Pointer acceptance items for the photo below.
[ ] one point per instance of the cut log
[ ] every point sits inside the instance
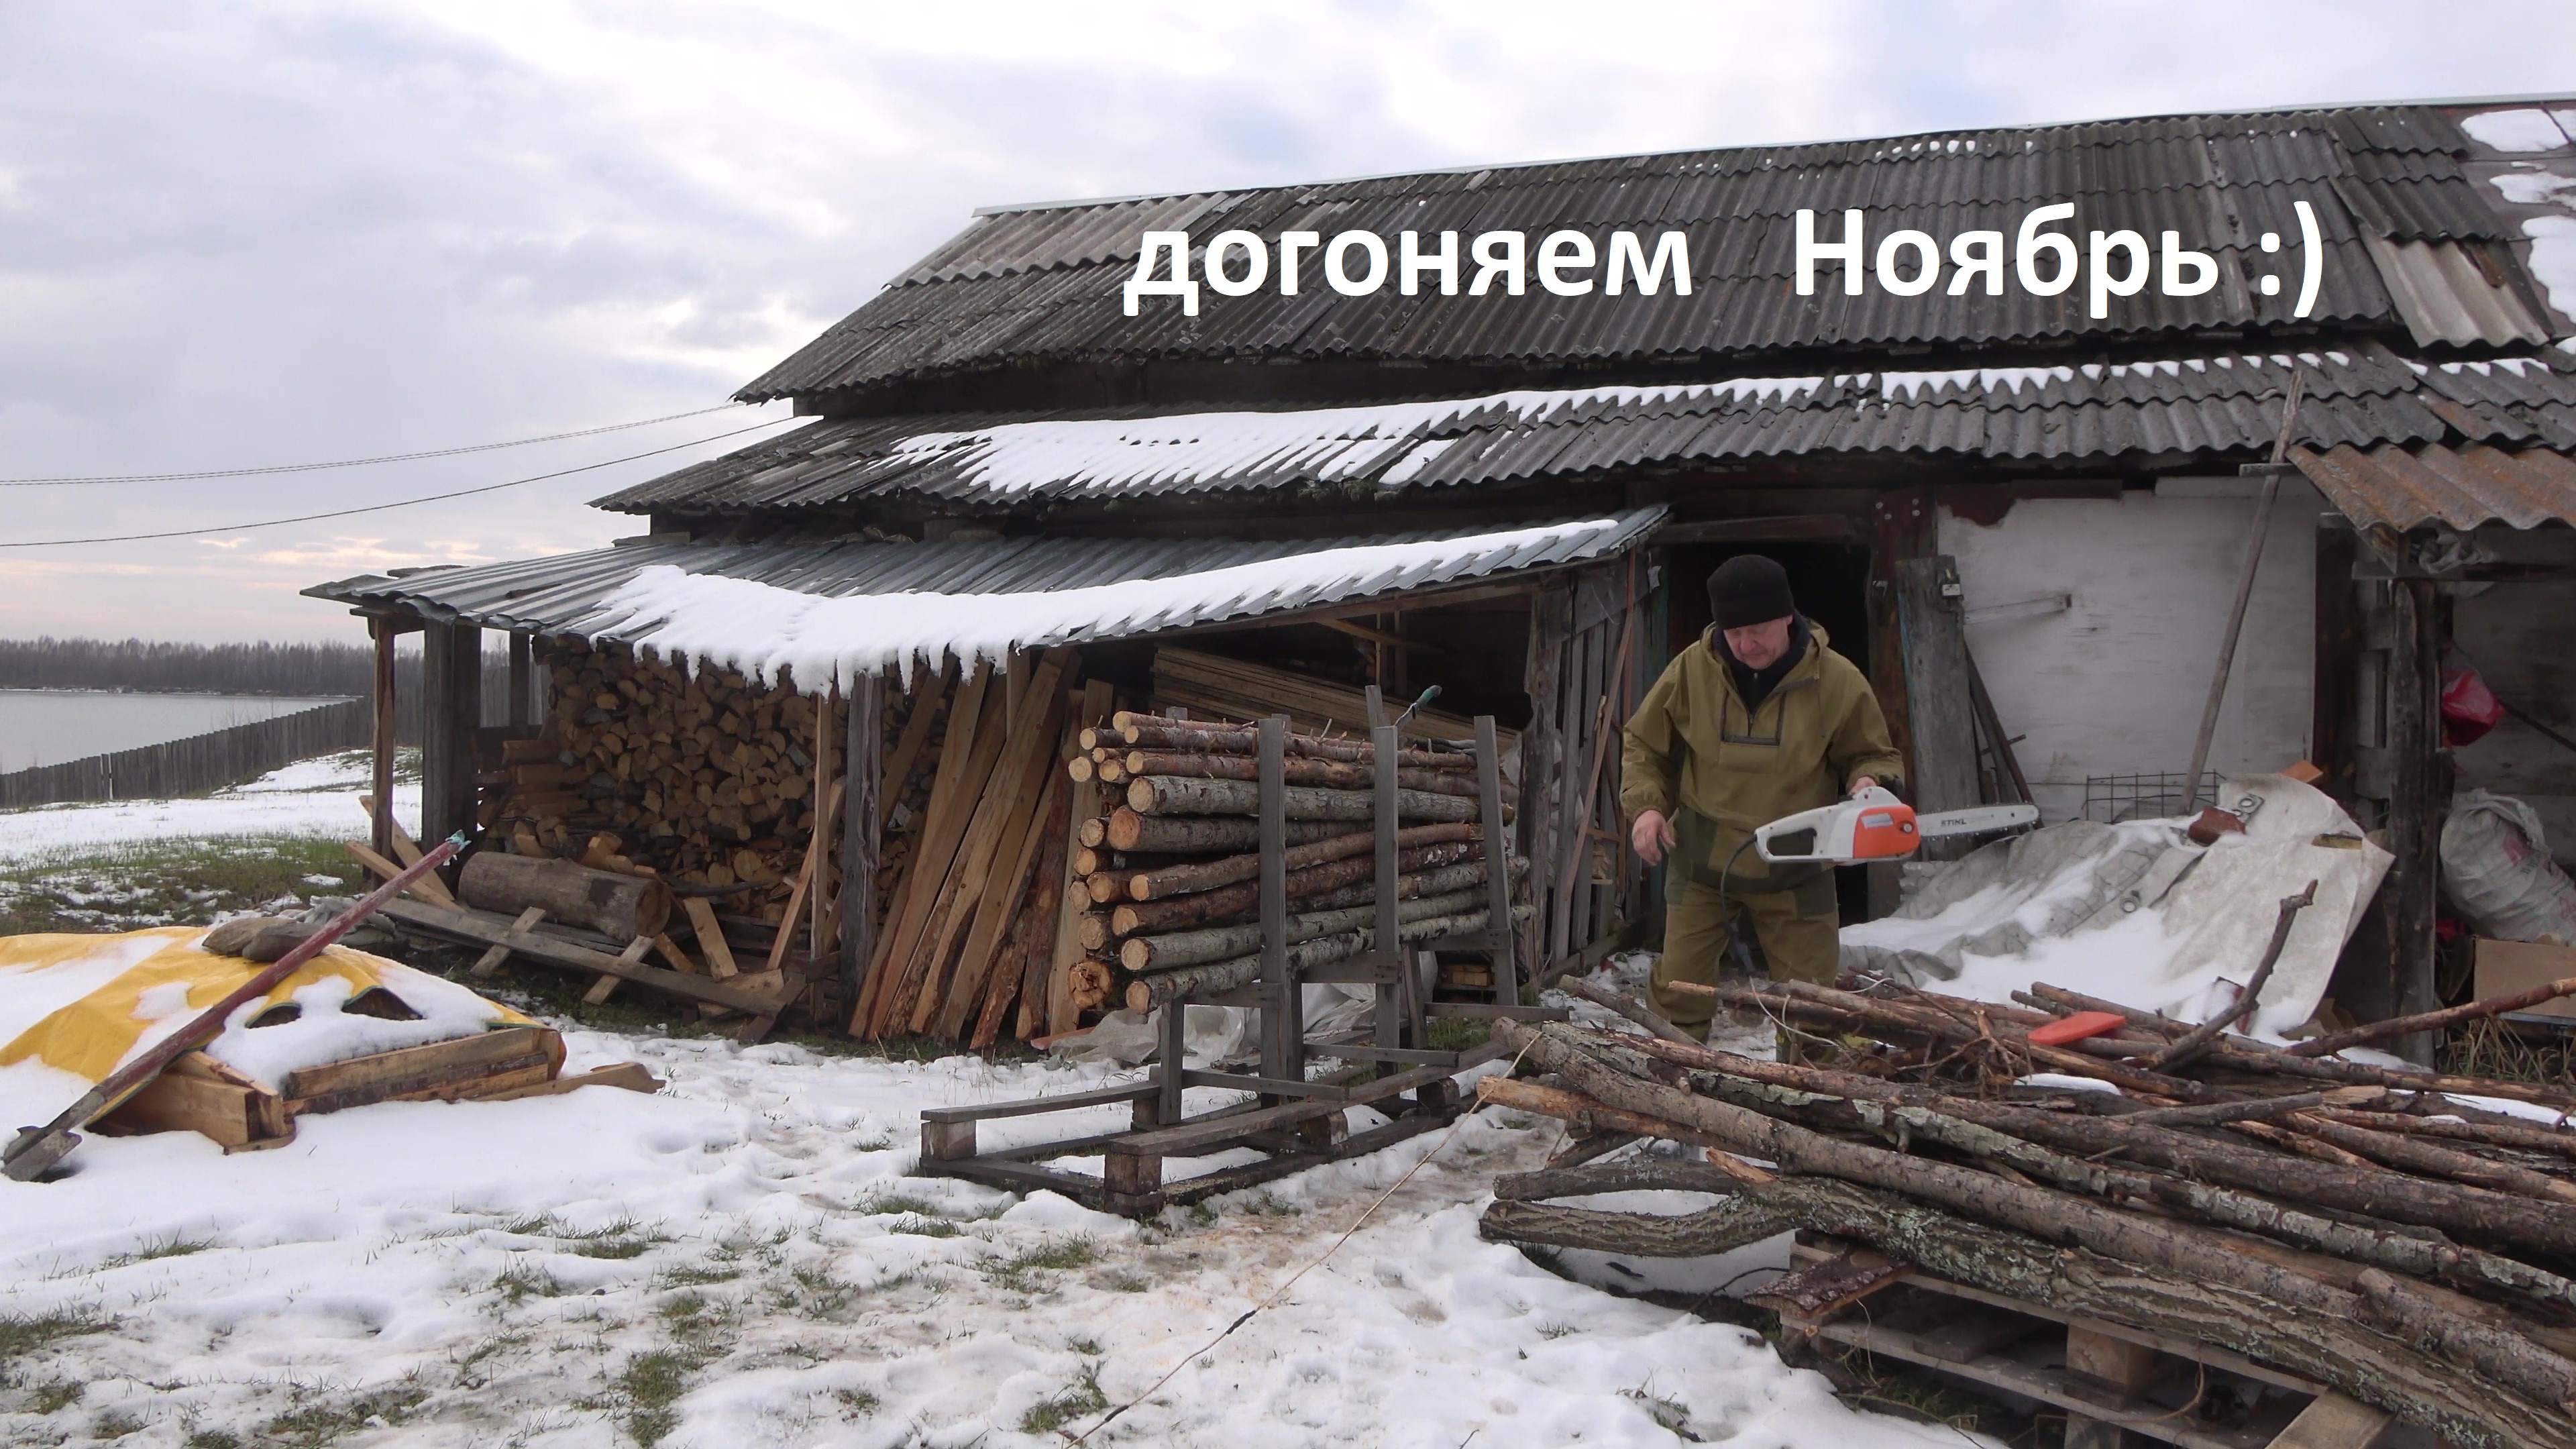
(1209, 906)
(1178, 795)
(1190, 948)
(1201, 834)
(1217, 977)
(1591, 1116)
(1188, 877)
(1089, 983)
(1153, 733)
(1331, 774)
(620, 907)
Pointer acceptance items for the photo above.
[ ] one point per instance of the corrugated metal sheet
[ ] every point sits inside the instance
(563, 595)
(2395, 207)
(2463, 487)
(2358, 397)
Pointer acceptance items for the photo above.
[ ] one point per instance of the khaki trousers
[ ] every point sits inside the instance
(1800, 932)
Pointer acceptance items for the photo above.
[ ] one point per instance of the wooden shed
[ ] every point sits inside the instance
(2024, 521)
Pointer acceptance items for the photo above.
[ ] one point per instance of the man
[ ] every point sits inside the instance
(1757, 720)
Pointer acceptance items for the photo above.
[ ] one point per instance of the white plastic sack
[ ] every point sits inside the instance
(2496, 869)
(2137, 913)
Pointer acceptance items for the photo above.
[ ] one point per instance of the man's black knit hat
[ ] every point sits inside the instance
(1749, 589)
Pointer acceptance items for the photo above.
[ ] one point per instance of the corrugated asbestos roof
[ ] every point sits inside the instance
(1209, 580)
(2462, 487)
(2359, 397)
(2409, 236)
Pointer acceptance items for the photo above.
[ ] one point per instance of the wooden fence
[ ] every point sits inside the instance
(198, 763)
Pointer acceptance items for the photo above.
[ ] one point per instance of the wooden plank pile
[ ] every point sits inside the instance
(1213, 687)
(2364, 1227)
(1167, 865)
(967, 947)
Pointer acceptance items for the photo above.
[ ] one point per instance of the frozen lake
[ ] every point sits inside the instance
(49, 726)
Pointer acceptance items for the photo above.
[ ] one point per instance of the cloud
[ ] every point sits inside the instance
(289, 229)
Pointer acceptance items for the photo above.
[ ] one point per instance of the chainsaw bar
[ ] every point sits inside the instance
(1976, 820)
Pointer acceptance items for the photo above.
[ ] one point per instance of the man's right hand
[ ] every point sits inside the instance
(1652, 835)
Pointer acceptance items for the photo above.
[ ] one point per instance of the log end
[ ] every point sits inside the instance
(1140, 997)
(1135, 955)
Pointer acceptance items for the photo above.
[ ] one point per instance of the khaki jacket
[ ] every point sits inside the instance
(1691, 745)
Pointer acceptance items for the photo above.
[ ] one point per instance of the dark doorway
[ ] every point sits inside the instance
(1831, 584)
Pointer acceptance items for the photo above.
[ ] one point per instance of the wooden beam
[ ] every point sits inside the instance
(1936, 684)
(1780, 528)
(452, 710)
(523, 673)
(2419, 793)
(382, 775)
(863, 825)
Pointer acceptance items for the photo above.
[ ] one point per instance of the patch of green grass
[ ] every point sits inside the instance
(620, 1240)
(54, 1395)
(696, 1276)
(522, 1281)
(1016, 1272)
(24, 1333)
(169, 883)
(900, 1203)
(211, 1439)
(1082, 1400)
(1266, 1206)
(855, 1403)
(650, 1384)
(1087, 1347)
(1671, 1414)
(924, 1227)
(1557, 1330)
(311, 1424)
(1457, 1033)
(114, 1424)
(170, 1247)
(1124, 1283)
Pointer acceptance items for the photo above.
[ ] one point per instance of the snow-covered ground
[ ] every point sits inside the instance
(748, 1258)
(316, 797)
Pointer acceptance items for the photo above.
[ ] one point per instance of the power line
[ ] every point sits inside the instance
(357, 462)
(405, 503)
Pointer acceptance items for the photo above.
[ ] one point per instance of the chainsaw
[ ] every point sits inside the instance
(1875, 825)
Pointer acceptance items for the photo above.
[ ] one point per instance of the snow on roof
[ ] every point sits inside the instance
(766, 629)
(2515, 130)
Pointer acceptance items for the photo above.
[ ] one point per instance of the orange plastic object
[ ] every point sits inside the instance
(2077, 1027)
(1884, 833)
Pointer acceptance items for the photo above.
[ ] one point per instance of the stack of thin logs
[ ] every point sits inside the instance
(2364, 1225)
(1172, 873)
(967, 947)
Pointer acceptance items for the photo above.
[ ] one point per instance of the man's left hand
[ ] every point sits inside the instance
(1865, 782)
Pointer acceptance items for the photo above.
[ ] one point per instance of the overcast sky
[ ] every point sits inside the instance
(257, 233)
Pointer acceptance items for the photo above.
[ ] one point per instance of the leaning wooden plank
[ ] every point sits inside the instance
(489, 929)
(1029, 933)
(966, 753)
(993, 836)
(991, 779)
(633, 1076)
(711, 937)
(606, 986)
(907, 746)
(1014, 855)
(497, 1045)
(428, 888)
(490, 961)
(805, 883)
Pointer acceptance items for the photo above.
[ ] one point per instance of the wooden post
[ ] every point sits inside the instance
(1282, 1034)
(1498, 875)
(452, 710)
(2418, 781)
(2115, 1363)
(1936, 684)
(1393, 960)
(383, 777)
(862, 831)
(522, 682)
(822, 902)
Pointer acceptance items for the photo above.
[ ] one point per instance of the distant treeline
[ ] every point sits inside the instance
(289, 669)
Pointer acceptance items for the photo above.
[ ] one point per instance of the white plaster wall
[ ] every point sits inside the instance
(2114, 685)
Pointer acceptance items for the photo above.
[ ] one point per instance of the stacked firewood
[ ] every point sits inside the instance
(705, 778)
(1171, 869)
(2367, 1226)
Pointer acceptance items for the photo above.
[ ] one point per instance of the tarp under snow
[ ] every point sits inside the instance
(74, 1008)
(2137, 913)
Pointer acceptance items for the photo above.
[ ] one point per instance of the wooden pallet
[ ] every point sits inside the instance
(2112, 1382)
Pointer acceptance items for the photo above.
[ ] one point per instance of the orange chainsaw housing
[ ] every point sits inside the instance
(1884, 832)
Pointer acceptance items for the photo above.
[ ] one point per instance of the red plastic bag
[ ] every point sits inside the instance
(2469, 708)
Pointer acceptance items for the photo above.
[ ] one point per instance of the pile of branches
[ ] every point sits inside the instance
(2354, 1223)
